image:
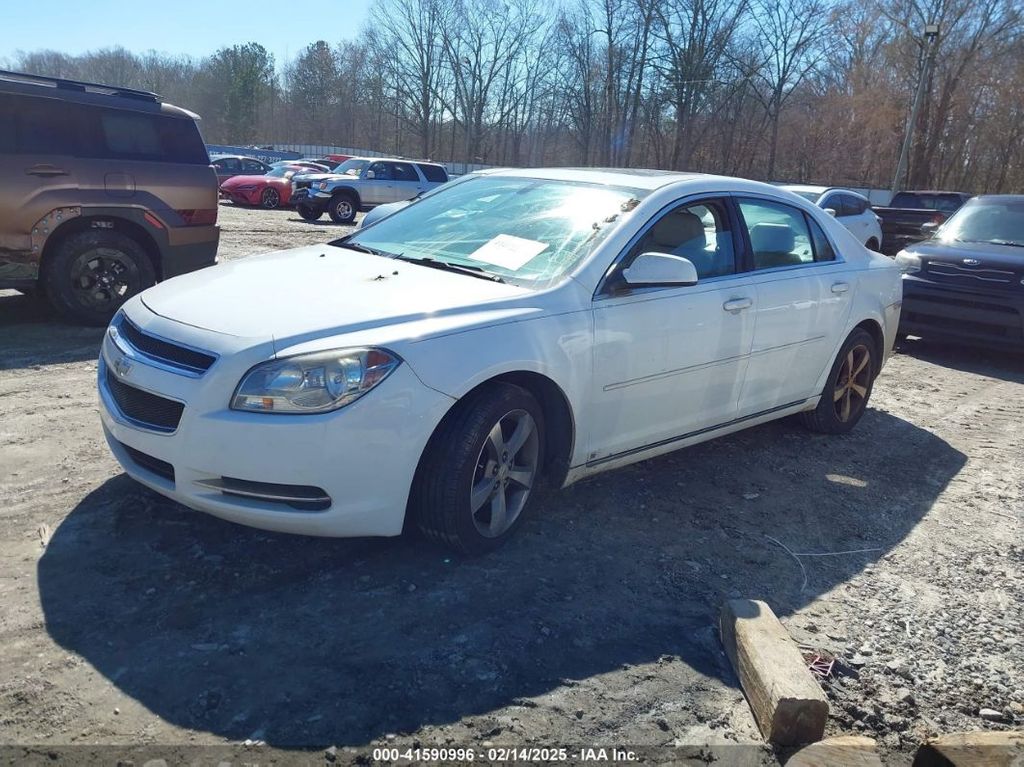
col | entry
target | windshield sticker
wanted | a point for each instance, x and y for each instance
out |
(508, 252)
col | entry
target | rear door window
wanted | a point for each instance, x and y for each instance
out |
(46, 126)
(778, 234)
(401, 171)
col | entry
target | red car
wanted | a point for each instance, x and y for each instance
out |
(268, 191)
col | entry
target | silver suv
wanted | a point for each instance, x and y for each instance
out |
(362, 183)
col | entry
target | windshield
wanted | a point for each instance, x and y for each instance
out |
(285, 171)
(997, 222)
(351, 167)
(523, 230)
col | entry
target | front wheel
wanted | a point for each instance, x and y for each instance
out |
(308, 213)
(342, 209)
(848, 387)
(478, 472)
(270, 198)
(93, 272)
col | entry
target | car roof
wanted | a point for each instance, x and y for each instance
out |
(235, 156)
(932, 191)
(85, 92)
(821, 190)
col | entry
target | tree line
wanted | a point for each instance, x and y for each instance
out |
(797, 90)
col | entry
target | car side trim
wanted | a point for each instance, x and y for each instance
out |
(689, 435)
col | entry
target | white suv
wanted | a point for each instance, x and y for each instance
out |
(362, 183)
(852, 210)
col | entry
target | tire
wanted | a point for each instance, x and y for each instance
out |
(270, 198)
(463, 454)
(342, 209)
(308, 213)
(92, 273)
(843, 402)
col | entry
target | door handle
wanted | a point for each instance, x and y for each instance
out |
(737, 305)
(840, 287)
(45, 170)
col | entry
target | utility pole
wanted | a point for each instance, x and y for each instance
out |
(931, 36)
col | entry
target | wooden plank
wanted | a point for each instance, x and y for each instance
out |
(788, 705)
(845, 750)
(973, 749)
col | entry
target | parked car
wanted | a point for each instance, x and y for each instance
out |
(851, 209)
(229, 165)
(914, 216)
(517, 327)
(309, 166)
(967, 282)
(105, 191)
(362, 183)
(271, 190)
(380, 211)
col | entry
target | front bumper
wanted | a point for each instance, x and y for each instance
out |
(309, 199)
(985, 318)
(362, 456)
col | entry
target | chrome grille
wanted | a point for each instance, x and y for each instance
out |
(958, 272)
(170, 354)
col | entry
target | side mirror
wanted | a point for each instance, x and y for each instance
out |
(831, 212)
(371, 174)
(660, 269)
(929, 228)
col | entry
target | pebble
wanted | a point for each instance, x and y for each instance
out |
(991, 715)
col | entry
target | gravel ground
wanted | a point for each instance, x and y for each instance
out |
(130, 620)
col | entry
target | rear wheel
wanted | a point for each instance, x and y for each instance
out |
(270, 198)
(848, 387)
(308, 213)
(93, 272)
(342, 209)
(477, 475)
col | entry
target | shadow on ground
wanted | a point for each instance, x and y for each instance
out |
(31, 334)
(994, 363)
(233, 631)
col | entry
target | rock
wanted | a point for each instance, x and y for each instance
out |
(331, 753)
(858, 660)
(991, 715)
(1016, 708)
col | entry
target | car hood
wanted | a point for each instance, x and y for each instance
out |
(302, 294)
(236, 181)
(986, 253)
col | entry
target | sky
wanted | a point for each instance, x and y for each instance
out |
(193, 27)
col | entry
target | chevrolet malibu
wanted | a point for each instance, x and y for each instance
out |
(522, 326)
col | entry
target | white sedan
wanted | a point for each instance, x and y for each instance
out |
(850, 209)
(520, 326)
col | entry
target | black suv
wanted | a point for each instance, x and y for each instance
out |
(103, 191)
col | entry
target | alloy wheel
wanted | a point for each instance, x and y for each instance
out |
(271, 198)
(851, 390)
(505, 472)
(343, 208)
(102, 278)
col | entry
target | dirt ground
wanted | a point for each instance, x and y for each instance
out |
(127, 619)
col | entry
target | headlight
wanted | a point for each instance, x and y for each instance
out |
(908, 262)
(322, 186)
(313, 383)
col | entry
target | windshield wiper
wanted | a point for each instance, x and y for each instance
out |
(1011, 243)
(362, 248)
(448, 266)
